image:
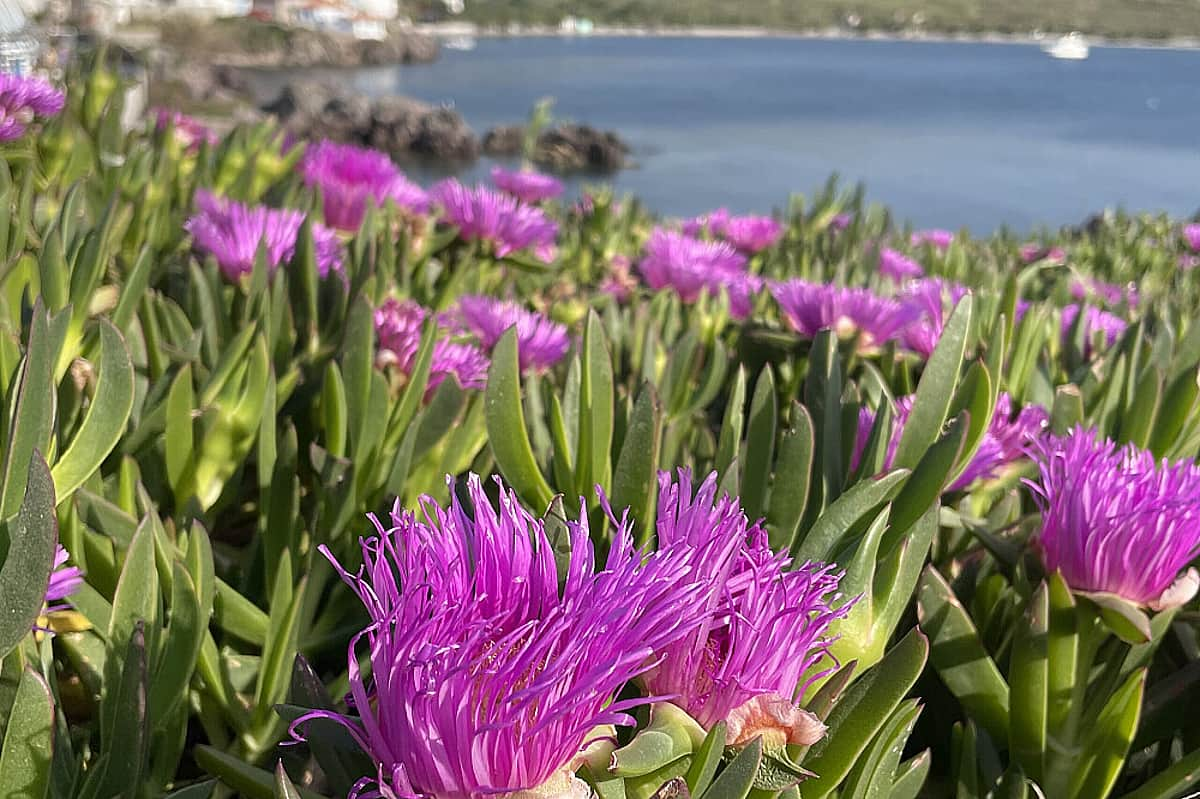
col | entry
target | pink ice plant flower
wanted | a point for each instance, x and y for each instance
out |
(692, 267)
(1117, 521)
(840, 221)
(232, 232)
(747, 234)
(938, 239)
(927, 300)
(1094, 320)
(189, 131)
(64, 580)
(1005, 442)
(898, 266)
(541, 343)
(1032, 253)
(504, 222)
(493, 666)
(1112, 294)
(849, 312)
(351, 177)
(619, 283)
(1191, 234)
(23, 100)
(398, 326)
(526, 185)
(766, 636)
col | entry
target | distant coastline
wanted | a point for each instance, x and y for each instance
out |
(458, 29)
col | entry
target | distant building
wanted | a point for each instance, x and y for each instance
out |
(18, 46)
(362, 19)
(211, 9)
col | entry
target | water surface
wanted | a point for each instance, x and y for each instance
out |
(946, 134)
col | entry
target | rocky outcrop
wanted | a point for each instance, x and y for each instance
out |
(402, 127)
(563, 148)
(410, 129)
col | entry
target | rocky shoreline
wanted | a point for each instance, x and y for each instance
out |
(409, 129)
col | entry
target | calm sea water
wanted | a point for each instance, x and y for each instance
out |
(977, 135)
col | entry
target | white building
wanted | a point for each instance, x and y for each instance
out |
(18, 46)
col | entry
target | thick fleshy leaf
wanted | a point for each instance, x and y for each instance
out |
(959, 655)
(28, 742)
(935, 392)
(861, 712)
(633, 483)
(873, 775)
(1029, 686)
(284, 789)
(847, 513)
(32, 536)
(793, 476)
(1107, 743)
(737, 779)
(507, 434)
(759, 453)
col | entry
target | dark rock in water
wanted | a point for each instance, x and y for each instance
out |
(402, 127)
(580, 147)
(505, 141)
(563, 148)
(406, 128)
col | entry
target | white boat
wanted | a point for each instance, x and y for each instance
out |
(459, 43)
(1072, 47)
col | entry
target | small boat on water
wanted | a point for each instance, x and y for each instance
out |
(459, 43)
(1072, 47)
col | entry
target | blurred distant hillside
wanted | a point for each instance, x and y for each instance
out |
(1130, 19)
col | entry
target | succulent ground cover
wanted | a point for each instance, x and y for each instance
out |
(320, 483)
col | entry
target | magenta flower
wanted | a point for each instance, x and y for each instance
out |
(189, 132)
(489, 676)
(541, 343)
(64, 580)
(1032, 253)
(619, 283)
(766, 627)
(710, 223)
(1109, 293)
(939, 239)
(840, 221)
(398, 325)
(692, 267)
(351, 177)
(23, 99)
(526, 185)
(1115, 521)
(231, 232)
(1191, 234)
(483, 214)
(811, 307)
(747, 234)
(752, 234)
(1094, 320)
(898, 266)
(927, 299)
(1004, 442)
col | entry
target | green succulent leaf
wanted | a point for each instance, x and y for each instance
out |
(32, 536)
(27, 752)
(507, 433)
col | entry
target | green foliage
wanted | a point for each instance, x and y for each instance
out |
(197, 444)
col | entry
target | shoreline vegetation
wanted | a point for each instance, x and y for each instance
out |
(811, 34)
(1145, 23)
